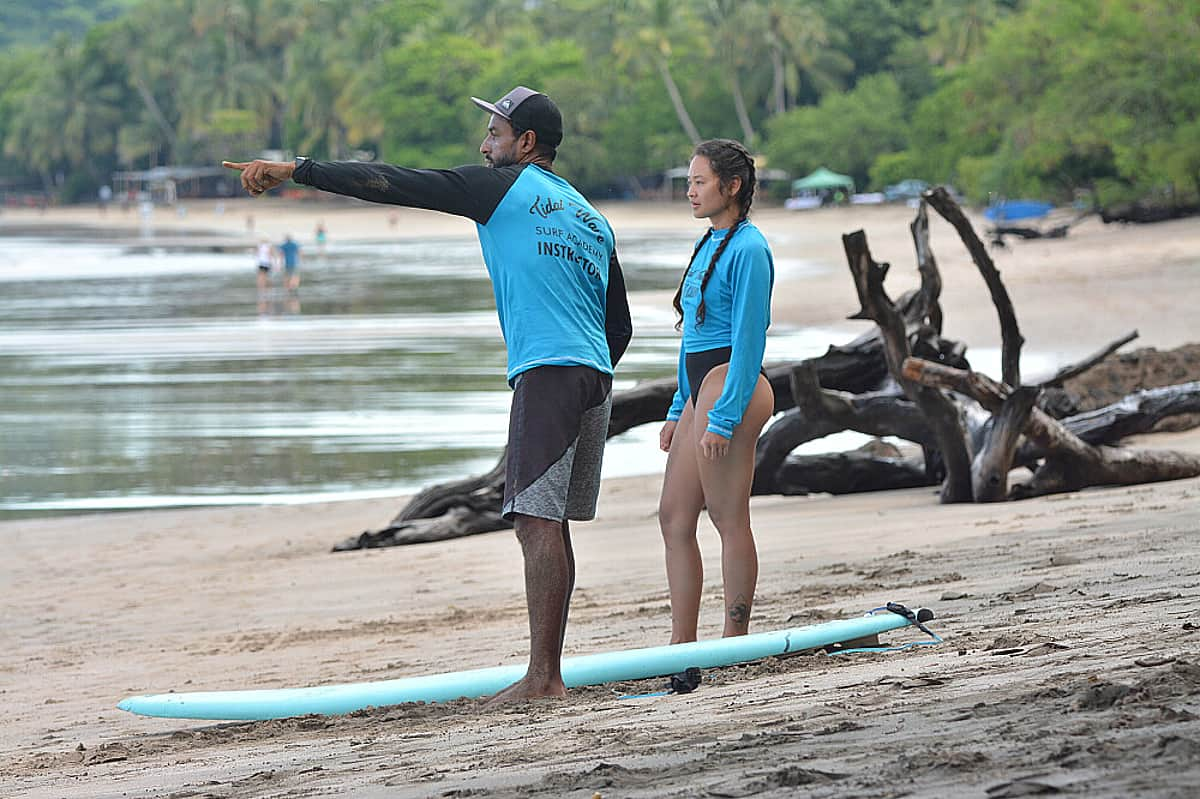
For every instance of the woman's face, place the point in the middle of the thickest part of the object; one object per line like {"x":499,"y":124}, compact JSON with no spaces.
{"x":708,"y":199}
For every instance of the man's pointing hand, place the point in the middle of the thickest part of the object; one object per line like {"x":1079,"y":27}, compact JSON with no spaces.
{"x":259,"y":176}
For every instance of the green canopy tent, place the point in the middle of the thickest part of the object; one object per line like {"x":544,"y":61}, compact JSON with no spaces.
{"x":822,"y":178}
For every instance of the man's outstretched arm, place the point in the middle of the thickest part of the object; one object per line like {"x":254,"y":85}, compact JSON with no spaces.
{"x":472,"y":191}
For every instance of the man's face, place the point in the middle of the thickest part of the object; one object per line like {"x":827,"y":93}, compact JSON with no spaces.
{"x":499,"y":147}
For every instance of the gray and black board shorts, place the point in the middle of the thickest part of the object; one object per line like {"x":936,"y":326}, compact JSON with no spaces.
{"x":556,"y":433}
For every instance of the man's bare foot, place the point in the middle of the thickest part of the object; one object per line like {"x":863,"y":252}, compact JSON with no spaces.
{"x":526,"y":688}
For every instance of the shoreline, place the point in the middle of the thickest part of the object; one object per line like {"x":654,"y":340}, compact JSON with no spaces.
{"x":1071,"y":295}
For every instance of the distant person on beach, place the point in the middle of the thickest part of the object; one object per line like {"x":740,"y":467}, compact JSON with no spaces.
{"x":724,"y":398}
{"x":563,"y":311}
{"x":289,"y":253}
{"x":263,"y":260}
{"x":320,"y":237}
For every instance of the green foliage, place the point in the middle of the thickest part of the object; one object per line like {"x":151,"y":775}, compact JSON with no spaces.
{"x":425,"y":122}
{"x":846,"y":133}
{"x":894,"y":167}
{"x":1110,"y":114}
{"x":27,"y":23}
{"x":18,"y":71}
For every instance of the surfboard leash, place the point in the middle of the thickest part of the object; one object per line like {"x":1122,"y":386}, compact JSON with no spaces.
{"x":916,"y":619}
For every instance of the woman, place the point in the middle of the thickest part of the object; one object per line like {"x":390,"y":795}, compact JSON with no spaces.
{"x":723,"y":401}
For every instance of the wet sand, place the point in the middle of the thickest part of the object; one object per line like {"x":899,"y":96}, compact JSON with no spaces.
{"x":1071,"y":661}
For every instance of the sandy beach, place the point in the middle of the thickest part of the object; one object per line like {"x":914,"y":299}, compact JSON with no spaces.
{"x":1071,"y":623}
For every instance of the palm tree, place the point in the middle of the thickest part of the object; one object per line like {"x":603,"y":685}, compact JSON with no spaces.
{"x":803,"y":52}
{"x":957,"y":29}
{"x":70,"y":116}
{"x":648,"y":26}
{"x":738,"y":27}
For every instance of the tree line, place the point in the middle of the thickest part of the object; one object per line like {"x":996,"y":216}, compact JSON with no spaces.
{"x":1019,"y":97}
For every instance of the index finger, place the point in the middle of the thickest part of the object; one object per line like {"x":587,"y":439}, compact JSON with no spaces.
{"x":236,"y":164}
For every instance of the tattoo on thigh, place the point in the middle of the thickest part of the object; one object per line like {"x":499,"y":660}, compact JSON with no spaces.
{"x":739,"y":611}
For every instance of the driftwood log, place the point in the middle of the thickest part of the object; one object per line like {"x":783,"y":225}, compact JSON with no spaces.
{"x":1144,"y":212}
{"x":943,"y":415}
{"x":850,"y":472}
{"x":1065,"y":373}
{"x":1070,"y":463}
{"x":1136,"y":413}
{"x":820,"y":412}
{"x":1010,"y":334}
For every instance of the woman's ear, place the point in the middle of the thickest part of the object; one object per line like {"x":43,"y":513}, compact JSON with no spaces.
{"x":735,"y":186}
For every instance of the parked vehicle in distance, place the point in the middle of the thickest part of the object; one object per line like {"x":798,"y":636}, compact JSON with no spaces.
{"x":905,"y":190}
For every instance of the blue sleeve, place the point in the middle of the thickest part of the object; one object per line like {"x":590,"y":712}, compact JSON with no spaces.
{"x":682,"y":392}
{"x":752,"y":275}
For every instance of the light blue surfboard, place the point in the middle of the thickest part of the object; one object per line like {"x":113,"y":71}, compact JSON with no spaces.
{"x":630,"y":664}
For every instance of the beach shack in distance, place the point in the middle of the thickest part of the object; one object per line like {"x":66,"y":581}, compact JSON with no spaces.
{"x":163,"y":185}
{"x":675,"y":179}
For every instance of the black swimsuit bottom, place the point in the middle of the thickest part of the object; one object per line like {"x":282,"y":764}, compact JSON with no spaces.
{"x":699,"y":364}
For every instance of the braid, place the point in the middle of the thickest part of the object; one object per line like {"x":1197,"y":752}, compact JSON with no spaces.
{"x":701,"y":311}
{"x":729,"y":160}
{"x":678,"y":301}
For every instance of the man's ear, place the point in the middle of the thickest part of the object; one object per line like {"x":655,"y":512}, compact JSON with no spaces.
{"x":526,"y":143}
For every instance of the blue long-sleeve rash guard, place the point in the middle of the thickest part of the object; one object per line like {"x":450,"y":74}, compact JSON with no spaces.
{"x":552,"y":257}
{"x":737,"y":307}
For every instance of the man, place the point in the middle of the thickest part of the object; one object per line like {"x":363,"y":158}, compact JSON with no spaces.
{"x":289,"y":250}
{"x":563,"y":311}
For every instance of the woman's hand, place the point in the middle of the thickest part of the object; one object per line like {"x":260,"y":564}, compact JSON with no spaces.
{"x":713,"y":446}
{"x":666,"y":435}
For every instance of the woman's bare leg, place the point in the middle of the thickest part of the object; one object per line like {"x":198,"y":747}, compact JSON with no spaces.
{"x":678,"y":513}
{"x":726,"y":485}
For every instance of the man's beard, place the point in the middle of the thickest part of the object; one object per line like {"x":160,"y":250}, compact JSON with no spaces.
{"x":498,"y":161}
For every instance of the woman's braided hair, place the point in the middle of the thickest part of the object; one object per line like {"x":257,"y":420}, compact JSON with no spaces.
{"x":729,"y":160}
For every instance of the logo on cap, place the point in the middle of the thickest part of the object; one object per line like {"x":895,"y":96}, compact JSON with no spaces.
{"x":507,"y":103}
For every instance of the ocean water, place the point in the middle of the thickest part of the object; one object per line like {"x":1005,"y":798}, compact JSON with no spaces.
{"x":142,"y":375}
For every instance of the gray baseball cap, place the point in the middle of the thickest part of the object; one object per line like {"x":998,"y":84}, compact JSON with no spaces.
{"x":528,"y":110}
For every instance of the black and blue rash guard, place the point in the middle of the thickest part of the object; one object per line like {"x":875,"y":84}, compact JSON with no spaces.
{"x":552,"y":257}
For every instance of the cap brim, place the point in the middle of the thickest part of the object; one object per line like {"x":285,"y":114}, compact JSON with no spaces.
{"x":491,"y":107}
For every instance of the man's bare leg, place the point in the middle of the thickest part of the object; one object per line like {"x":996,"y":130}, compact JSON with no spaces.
{"x":570,"y":550}
{"x":549,"y":580}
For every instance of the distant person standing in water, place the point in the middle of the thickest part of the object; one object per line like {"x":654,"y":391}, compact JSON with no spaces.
{"x":320,"y":237}
{"x":263,"y":260}
{"x":289,"y":251}
{"x":563,"y":311}
{"x":724,"y":399}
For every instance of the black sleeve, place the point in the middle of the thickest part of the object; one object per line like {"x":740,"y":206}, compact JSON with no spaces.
{"x":618,"y":328}
{"x":472,"y":191}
